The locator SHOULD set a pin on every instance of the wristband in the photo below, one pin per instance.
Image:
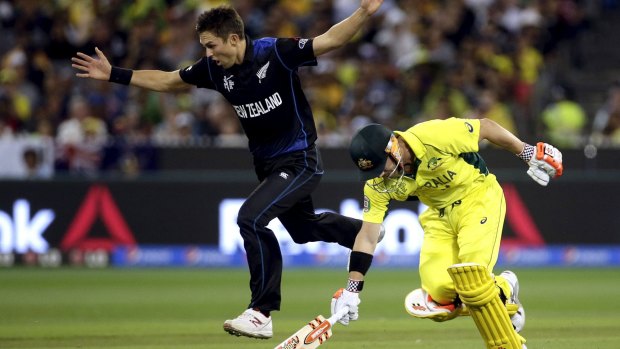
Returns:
(121, 75)
(355, 285)
(527, 153)
(360, 262)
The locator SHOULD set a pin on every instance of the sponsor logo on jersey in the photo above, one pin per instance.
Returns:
(302, 43)
(469, 127)
(284, 175)
(228, 83)
(366, 204)
(254, 109)
(262, 72)
(400, 187)
(434, 163)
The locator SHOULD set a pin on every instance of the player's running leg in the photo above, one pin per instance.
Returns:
(284, 182)
(477, 289)
(305, 225)
(511, 292)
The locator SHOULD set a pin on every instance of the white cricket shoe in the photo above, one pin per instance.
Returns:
(250, 323)
(419, 304)
(518, 318)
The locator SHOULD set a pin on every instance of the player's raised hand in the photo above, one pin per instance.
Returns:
(545, 163)
(90, 67)
(371, 6)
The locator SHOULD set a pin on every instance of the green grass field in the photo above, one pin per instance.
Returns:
(185, 308)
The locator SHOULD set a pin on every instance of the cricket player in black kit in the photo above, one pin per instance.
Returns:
(259, 78)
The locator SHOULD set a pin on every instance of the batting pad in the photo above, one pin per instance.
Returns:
(476, 288)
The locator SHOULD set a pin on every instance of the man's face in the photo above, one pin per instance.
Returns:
(393, 166)
(392, 169)
(390, 179)
(223, 53)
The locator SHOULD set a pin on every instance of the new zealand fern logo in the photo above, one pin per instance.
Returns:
(262, 72)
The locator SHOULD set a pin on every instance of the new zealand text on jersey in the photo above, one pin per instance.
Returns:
(254, 109)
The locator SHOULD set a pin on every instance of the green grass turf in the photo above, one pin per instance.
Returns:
(185, 308)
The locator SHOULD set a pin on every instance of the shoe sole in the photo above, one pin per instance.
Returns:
(235, 332)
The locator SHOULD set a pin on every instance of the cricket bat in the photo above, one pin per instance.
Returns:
(315, 333)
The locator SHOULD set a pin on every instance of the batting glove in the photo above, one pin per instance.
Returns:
(545, 162)
(539, 175)
(343, 298)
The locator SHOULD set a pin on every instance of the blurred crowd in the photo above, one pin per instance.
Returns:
(417, 60)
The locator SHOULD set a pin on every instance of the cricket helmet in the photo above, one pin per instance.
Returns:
(368, 150)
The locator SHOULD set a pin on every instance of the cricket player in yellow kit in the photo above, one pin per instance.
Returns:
(438, 163)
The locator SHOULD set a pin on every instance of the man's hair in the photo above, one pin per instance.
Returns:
(221, 21)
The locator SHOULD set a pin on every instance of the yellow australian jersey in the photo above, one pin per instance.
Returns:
(448, 166)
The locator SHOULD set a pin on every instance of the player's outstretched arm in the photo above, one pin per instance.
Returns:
(544, 160)
(340, 33)
(359, 263)
(99, 68)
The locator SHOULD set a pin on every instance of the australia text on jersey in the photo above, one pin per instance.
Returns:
(254, 109)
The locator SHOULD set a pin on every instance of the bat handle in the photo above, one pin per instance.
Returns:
(338, 315)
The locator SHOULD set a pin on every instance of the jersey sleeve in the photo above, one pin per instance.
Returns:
(375, 205)
(295, 52)
(453, 135)
(198, 74)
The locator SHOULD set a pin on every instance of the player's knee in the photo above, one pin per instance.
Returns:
(244, 220)
(299, 234)
(300, 239)
(300, 231)
(248, 220)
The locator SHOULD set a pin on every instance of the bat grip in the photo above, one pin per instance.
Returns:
(338, 315)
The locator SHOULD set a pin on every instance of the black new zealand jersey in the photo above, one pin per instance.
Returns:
(266, 93)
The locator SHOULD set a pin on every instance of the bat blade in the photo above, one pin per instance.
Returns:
(310, 336)
(315, 333)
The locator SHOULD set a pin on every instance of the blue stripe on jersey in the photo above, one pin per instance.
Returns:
(303, 129)
(297, 112)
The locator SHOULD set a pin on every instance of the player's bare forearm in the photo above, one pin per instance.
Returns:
(99, 68)
(342, 32)
(158, 80)
(496, 134)
(366, 241)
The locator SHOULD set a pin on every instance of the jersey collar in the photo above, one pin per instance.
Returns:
(414, 143)
(248, 56)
